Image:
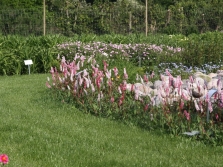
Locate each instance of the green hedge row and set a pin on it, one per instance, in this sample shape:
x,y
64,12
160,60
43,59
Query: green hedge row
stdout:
x,y
196,50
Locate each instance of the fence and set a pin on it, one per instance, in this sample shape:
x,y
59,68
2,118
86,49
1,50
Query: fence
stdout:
x,y
120,18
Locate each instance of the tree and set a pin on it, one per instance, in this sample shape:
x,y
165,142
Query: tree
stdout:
x,y
15,4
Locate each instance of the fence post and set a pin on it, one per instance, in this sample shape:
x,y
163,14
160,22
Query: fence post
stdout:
x,y
146,18
44,18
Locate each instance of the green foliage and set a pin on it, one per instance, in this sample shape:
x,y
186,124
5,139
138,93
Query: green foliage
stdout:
x,y
202,49
102,17
4,4
191,51
16,49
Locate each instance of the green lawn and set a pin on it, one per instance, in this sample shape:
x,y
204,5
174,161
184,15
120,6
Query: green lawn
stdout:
x,y
39,132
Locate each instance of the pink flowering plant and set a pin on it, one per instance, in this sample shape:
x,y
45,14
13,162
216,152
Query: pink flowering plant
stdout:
x,y
4,159
169,104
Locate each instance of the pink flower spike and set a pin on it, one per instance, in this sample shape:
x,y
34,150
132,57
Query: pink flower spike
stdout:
x,y
191,79
85,73
196,105
108,74
137,77
63,60
210,108
48,85
219,86
187,115
168,73
99,96
52,70
125,74
82,58
92,88
152,75
221,96
182,105
78,66
105,65
145,78
115,71
216,116
112,99
4,158
89,59
95,71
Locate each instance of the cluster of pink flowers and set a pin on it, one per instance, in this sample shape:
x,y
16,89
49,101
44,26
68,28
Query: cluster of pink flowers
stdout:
x,y
4,159
110,49
83,80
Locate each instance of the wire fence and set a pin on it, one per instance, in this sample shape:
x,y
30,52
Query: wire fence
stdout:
x,y
21,22
117,19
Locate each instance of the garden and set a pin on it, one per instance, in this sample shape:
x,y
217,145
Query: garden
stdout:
x,y
89,98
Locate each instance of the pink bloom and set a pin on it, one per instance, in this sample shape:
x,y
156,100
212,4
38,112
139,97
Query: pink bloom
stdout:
x,y
146,107
82,58
87,82
99,96
168,73
181,105
48,85
108,74
216,116
85,73
137,93
105,65
98,82
187,115
123,87
63,60
89,59
191,79
80,80
152,75
137,77
95,71
92,88
121,100
109,82
58,56
219,86
125,74
4,158
178,82
221,96
119,90
52,70
78,66
76,57
65,72
200,106
210,108
115,71
145,78
196,105
112,99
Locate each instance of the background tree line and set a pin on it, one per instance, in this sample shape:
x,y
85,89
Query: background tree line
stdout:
x,y
70,17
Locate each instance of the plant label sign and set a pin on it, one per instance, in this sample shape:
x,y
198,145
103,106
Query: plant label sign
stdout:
x,y
28,62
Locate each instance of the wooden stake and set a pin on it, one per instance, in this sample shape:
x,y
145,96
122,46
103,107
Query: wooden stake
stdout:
x,y
146,18
44,18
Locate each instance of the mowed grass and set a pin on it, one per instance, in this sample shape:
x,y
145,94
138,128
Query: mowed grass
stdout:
x,y
36,131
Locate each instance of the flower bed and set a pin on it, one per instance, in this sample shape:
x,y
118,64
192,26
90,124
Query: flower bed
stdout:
x,y
170,104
